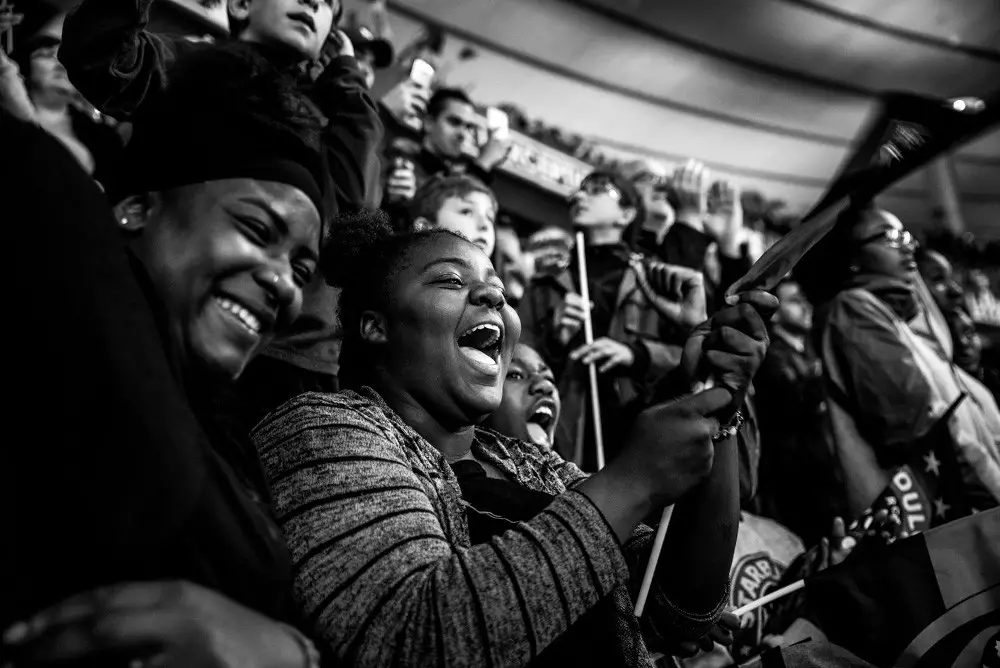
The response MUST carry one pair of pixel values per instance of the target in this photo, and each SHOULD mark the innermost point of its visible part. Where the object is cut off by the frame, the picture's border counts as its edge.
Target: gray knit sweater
(385, 572)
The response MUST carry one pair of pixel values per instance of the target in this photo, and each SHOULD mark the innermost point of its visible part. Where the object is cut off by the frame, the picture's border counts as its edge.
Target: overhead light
(972, 105)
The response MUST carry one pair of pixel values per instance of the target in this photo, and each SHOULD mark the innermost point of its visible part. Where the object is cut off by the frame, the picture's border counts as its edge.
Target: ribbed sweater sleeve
(378, 572)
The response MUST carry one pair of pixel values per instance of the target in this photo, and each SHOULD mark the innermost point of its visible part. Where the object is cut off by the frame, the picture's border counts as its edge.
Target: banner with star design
(929, 601)
(927, 491)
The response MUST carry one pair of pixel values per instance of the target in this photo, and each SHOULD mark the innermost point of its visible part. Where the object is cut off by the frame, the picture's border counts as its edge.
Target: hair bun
(353, 245)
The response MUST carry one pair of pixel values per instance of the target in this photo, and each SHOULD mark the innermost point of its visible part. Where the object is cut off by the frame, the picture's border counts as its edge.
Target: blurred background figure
(372, 53)
(510, 261)
(887, 356)
(650, 178)
(90, 136)
(799, 480)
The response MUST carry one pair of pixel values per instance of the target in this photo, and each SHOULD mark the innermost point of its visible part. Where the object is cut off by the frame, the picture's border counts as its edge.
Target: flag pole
(588, 337)
(773, 596)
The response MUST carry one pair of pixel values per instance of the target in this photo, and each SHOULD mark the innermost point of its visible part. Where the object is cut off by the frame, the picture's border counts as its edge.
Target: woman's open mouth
(481, 345)
(543, 414)
(540, 422)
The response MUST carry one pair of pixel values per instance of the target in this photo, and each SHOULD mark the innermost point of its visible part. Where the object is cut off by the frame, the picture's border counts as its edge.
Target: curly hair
(362, 257)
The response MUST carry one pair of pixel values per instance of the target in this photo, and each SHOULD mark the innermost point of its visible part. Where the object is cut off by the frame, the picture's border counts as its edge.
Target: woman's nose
(282, 292)
(543, 385)
(489, 295)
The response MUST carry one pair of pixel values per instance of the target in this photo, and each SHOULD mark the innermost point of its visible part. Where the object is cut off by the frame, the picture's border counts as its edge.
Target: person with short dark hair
(449, 140)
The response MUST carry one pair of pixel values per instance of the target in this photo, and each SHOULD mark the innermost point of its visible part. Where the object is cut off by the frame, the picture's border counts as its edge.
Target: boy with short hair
(123, 69)
(462, 204)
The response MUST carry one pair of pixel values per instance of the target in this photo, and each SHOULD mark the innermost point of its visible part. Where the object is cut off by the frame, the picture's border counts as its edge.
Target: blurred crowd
(310, 395)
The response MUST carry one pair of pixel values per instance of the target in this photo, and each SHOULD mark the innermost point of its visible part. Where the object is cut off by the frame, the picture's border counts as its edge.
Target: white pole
(773, 596)
(654, 556)
(588, 337)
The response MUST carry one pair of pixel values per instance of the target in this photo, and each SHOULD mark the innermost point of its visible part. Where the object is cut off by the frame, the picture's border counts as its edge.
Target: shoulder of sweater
(506, 447)
(340, 409)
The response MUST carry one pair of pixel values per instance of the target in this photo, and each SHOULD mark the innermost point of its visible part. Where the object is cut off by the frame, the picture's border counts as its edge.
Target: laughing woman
(370, 484)
(136, 322)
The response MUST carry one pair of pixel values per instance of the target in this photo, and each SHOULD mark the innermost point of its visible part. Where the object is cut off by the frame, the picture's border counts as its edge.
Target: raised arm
(112, 59)
(353, 133)
(379, 575)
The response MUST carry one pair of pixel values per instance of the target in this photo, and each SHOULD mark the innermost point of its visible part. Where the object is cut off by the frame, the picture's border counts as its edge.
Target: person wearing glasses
(887, 358)
(635, 343)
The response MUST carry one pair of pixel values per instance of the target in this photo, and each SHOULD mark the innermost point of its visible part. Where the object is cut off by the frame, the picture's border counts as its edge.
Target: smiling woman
(420, 538)
(138, 472)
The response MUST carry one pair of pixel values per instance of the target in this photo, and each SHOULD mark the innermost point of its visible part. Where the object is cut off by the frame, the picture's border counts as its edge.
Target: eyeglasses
(600, 185)
(893, 237)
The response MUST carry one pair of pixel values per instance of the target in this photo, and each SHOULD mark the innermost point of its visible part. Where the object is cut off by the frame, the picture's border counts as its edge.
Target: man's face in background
(452, 129)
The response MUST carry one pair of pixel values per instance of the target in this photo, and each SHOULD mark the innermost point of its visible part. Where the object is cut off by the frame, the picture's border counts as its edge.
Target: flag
(927, 491)
(907, 132)
(929, 601)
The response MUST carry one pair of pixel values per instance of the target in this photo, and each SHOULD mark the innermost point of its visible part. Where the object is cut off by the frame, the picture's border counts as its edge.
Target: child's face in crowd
(598, 205)
(448, 332)
(472, 216)
(452, 128)
(47, 74)
(300, 25)
(229, 259)
(530, 407)
(794, 310)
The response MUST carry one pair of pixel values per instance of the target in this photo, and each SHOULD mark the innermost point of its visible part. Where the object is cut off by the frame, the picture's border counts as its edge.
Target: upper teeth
(491, 327)
(544, 410)
(249, 320)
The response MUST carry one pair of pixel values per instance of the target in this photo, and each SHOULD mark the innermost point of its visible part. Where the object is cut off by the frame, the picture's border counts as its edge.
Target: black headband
(215, 125)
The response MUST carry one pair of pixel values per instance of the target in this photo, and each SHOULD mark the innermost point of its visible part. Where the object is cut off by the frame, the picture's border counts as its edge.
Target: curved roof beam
(625, 91)
(992, 55)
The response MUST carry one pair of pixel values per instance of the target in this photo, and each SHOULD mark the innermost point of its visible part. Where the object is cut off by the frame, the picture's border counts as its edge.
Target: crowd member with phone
(449, 129)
